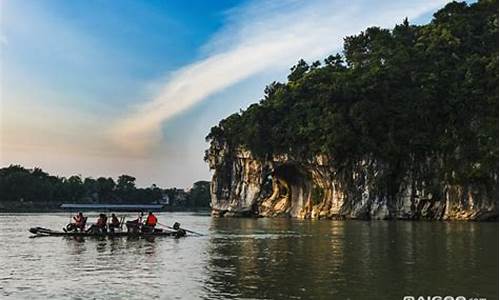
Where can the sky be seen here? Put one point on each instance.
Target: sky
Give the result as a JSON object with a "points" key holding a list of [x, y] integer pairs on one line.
{"points": [[104, 88]]}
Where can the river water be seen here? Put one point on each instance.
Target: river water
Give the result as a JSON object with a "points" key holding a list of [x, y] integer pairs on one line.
{"points": [[252, 259]]}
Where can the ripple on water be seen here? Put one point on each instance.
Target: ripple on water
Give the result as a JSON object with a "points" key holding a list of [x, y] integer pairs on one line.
{"points": [[251, 258]]}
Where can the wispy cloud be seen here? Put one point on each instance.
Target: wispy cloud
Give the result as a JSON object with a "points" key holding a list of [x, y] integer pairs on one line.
{"points": [[258, 37]]}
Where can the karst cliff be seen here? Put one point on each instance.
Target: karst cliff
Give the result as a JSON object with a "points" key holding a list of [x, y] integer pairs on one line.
{"points": [[245, 186], [402, 124]]}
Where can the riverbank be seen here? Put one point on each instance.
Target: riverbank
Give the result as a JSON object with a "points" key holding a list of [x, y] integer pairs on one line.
{"points": [[56, 207]]}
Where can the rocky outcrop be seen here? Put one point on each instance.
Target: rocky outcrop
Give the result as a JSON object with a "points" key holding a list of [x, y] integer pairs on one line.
{"points": [[283, 186]]}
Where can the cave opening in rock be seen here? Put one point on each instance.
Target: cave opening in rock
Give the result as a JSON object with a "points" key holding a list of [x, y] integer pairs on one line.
{"points": [[286, 176], [267, 185], [289, 173]]}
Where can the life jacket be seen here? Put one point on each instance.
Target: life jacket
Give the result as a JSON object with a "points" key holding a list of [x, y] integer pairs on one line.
{"points": [[151, 220], [79, 219]]}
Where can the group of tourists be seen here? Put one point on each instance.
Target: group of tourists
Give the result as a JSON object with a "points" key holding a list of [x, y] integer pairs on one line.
{"points": [[102, 225], [138, 225]]}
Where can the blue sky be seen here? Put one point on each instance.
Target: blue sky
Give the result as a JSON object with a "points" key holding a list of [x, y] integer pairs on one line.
{"points": [[103, 88]]}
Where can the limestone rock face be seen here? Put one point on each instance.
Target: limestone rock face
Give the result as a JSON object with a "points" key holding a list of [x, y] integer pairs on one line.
{"points": [[281, 186]]}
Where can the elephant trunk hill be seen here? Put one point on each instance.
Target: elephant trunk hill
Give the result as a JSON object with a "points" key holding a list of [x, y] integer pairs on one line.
{"points": [[403, 124]]}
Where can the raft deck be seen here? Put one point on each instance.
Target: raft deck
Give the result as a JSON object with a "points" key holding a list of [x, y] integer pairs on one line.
{"points": [[40, 231]]}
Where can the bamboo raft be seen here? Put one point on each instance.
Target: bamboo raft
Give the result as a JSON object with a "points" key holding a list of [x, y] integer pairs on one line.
{"points": [[40, 231]]}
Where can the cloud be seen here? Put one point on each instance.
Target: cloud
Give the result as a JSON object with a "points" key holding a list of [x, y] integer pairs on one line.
{"points": [[258, 37]]}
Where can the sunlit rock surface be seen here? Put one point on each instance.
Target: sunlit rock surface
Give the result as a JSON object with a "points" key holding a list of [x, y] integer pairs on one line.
{"points": [[281, 186]]}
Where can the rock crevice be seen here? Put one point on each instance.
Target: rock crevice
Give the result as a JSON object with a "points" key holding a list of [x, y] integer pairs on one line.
{"points": [[243, 185]]}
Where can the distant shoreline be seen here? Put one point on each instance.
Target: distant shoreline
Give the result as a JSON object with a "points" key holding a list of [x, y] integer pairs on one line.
{"points": [[55, 208]]}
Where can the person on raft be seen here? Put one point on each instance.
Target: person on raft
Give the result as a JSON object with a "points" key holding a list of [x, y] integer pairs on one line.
{"points": [[150, 223], [135, 225], [180, 232], [79, 223], [115, 223], [100, 225]]}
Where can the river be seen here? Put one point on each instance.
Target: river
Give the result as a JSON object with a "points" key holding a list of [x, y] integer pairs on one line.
{"points": [[252, 259]]}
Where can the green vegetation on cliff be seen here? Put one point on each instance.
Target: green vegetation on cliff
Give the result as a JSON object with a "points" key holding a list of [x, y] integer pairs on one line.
{"points": [[411, 96]]}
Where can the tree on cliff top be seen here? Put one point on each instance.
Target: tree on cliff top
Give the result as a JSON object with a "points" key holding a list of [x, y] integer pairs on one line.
{"points": [[400, 96]]}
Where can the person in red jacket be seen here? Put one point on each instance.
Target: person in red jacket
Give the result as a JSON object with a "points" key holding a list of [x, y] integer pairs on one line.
{"points": [[150, 224]]}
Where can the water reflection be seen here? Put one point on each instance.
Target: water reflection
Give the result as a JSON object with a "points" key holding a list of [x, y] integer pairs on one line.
{"points": [[275, 258], [256, 262], [111, 245], [115, 244], [254, 258]]}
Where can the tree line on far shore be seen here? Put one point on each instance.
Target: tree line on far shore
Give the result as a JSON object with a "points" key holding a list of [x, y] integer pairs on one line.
{"points": [[20, 186]]}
